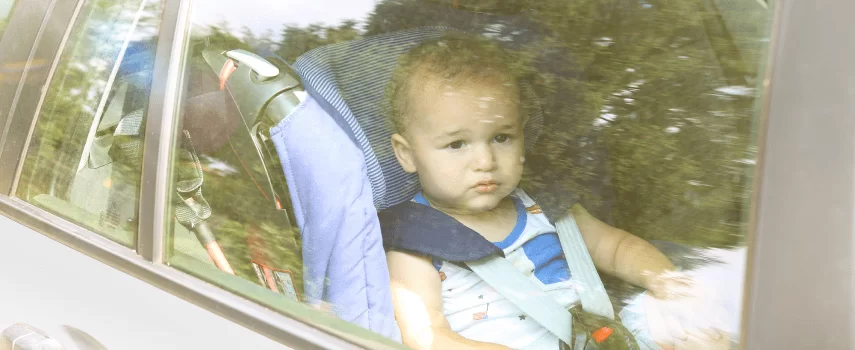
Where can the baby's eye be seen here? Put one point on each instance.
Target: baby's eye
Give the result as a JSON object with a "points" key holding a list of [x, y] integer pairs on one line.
{"points": [[502, 138], [455, 145]]}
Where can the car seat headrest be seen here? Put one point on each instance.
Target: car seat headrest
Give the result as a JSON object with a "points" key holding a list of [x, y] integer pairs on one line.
{"points": [[349, 81]]}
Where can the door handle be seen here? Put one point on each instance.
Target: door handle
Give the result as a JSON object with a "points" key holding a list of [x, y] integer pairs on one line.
{"points": [[21, 336], [255, 62]]}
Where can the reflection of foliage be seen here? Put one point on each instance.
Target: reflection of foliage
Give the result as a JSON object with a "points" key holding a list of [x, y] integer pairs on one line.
{"points": [[218, 36], [644, 81], [656, 94], [648, 104], [3, 23], [106, 193], [243, 218], [296, 41]]}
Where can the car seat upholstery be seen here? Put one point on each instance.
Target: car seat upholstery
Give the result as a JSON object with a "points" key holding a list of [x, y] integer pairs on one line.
{"points": [[337, 178]]}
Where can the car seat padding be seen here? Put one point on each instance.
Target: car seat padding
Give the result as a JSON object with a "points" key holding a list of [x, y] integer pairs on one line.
{"points": [[421, 229]]}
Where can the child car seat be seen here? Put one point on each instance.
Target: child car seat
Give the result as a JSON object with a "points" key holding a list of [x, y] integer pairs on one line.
{"points": [[340, 168]]}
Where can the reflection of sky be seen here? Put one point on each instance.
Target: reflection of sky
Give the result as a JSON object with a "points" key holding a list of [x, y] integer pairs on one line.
{"points": [[261, 16], [5, 8]]}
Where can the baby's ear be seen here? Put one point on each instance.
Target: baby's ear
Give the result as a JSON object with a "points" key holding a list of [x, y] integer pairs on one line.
{"points": [[403, 153]]}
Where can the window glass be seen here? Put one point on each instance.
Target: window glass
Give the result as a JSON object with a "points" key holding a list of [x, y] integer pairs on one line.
{"points": [[647, 115], [228, 183], [5, 10], [83, 159]]}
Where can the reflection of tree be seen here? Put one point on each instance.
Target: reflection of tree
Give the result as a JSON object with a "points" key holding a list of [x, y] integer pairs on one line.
{"points": [[647, 79], [3, 23], [296, 41], [665, 87], [69, 111], [243, 216]]}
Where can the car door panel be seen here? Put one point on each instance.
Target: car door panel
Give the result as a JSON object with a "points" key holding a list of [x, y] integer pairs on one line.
{"points": [[55, 286]]}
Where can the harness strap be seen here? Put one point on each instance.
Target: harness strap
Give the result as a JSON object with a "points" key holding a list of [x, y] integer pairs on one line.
{"points": [[489, 263], [592, 292], [500, 274]]}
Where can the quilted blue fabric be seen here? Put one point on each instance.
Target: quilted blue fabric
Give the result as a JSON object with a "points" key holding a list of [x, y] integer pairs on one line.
{"points": [[340, 168], [343, 259]]}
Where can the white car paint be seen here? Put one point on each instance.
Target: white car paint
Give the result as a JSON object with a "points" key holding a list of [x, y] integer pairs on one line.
{"points": [[47, 285]]}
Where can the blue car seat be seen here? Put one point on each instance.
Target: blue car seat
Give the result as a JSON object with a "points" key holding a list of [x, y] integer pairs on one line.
{"points": [[336, 154], [337, 158]]}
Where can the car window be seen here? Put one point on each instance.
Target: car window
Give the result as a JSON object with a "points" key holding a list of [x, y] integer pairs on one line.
{"points": [[646, 113], [83, 158], [232, 218], [5, 10]]}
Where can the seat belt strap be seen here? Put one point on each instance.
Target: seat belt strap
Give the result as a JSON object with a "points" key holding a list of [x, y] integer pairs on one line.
{"points": [[501, 274], [591, 291]]}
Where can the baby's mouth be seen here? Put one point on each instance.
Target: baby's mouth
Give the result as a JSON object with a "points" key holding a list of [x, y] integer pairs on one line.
{"points": [[486, 186]]}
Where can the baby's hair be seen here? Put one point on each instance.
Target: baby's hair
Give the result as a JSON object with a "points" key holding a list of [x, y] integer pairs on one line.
{"points": [[454, 59]]}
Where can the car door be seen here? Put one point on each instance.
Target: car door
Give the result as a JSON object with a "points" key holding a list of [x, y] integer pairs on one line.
{"points": [[728, 125]]}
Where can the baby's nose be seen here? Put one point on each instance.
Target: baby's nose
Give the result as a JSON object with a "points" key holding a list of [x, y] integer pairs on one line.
{"points": [[485, 159]]}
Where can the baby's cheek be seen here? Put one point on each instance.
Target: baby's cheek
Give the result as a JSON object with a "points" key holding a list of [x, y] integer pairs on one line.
{"points": [[514, 161], [450, 171], [446, 181]]}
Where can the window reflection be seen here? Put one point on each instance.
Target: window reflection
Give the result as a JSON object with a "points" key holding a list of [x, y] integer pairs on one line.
{"points": [[83, 161], [247, 207], [649, 119], [5, 9]]}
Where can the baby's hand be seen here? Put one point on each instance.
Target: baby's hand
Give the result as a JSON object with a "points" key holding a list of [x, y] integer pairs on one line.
{"points": [[683, 314], [669, 285]]}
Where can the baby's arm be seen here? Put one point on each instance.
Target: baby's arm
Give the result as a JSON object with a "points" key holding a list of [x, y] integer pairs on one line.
{"points": [[621, 254], [417, 296]]}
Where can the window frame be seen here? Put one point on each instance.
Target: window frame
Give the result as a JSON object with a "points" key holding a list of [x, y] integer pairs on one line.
{"points": [[801, 243], [164, 100]]}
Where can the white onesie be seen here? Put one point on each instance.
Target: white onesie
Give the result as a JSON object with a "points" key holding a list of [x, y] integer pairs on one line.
{"points": [[476, 311]]}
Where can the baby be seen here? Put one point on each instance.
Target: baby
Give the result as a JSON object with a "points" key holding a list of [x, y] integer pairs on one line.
{"points": [[457, 111]]}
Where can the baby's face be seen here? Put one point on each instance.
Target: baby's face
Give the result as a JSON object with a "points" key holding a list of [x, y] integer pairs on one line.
{"points": [[467, 145]]}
